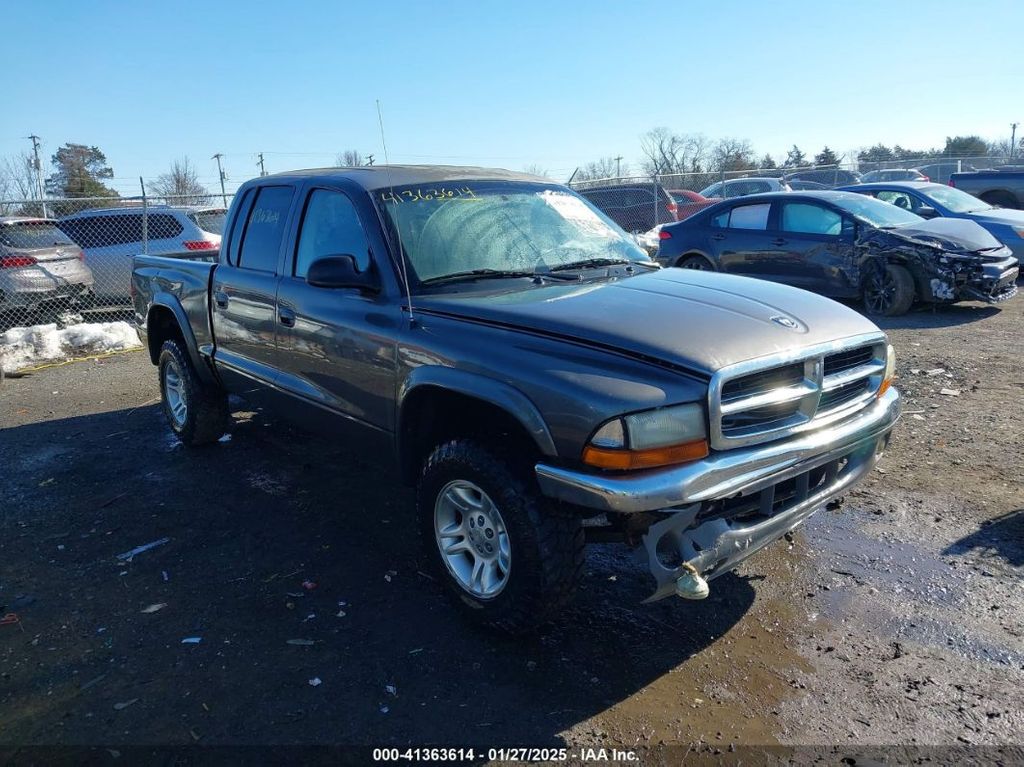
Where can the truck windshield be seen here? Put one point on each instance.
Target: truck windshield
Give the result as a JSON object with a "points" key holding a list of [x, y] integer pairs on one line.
{"points": [[476, 227]]}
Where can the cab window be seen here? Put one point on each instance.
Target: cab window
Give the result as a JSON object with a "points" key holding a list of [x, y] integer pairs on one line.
{"points": [[330, 227]]}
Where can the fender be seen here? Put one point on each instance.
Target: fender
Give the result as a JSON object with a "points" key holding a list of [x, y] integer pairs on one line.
{"points": [[480, 387], [170, 301]]}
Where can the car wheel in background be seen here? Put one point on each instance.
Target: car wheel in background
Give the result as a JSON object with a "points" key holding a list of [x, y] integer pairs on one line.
{"points": [[196, 411], [509, 561], [699, 263], [889, 292]]}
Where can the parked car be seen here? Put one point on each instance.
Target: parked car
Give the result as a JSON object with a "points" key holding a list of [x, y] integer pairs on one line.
{"points": [[740, 187], [938, 200], [111, 236], [845, 245], [689, 202], [796, 185], [634, 207], [527, 368], [829, 177], [1004, 188], [40, 266], [893, 174]]}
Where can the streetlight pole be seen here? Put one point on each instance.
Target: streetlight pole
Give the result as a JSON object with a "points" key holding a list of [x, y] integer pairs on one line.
{"points": [[263, 170], [1013, 138], [220, 172]]}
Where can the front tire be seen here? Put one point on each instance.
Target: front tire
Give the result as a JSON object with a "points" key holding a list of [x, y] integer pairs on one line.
{"points": [[890, 292], [197, 412], [508, 560]]}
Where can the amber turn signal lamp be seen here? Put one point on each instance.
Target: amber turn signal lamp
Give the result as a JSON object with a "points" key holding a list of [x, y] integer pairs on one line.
{"points": [[623, 460]]}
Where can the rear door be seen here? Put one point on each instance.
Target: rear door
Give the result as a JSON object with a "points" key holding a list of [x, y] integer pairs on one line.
{"points": [[742, 239], [243, 299], [336, 344]]}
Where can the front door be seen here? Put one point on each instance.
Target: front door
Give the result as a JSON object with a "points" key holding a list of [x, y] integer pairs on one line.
{"points": [[337, 344]]}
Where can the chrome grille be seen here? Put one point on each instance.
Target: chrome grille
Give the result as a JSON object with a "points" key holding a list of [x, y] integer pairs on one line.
{"points": [[769, 398]]}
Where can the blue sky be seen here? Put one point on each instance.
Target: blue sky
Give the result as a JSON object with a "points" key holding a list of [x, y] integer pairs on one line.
{"points": [[555, 83]]}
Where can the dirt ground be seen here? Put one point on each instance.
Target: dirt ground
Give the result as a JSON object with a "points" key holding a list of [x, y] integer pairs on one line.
{"points": [[896, 619]]}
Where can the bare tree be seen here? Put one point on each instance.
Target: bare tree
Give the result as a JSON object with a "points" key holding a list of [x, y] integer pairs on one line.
{"points": [[18, 182], [733, 154], [536, 170], [667, 153], [180, 185], [606, 167], [350, 158]]}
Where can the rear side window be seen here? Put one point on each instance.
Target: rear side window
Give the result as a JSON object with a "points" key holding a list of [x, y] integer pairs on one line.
{"points": [[749, 216], [264, 229], [330, 228], [803, 218], [104, 231], [28, 235], [235, 241], [161, 226]]}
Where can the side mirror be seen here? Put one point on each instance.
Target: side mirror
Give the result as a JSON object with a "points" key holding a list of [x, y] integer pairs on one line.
{"points": [[340, 272], [927, 212]]}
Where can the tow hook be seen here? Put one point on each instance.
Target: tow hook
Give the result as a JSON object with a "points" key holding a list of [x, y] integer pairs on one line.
{"points": [[690, 585]]}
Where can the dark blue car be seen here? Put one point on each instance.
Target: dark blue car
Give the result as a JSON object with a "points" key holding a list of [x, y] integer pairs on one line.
{"points": [[844, 245], [934, 200]]}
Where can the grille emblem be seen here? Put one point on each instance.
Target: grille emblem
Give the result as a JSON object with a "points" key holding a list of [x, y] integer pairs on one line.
{"points": [[786, 322]]}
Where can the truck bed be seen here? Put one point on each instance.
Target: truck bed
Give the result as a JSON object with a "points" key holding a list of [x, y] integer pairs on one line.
{"points": [[169, 280]]}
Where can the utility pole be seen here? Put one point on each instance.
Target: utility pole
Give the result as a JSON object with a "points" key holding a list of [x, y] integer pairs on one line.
{"points": [[1013, 138], [369, 159], [263, 170], [38, 167], [220, 172], [618, 166]]}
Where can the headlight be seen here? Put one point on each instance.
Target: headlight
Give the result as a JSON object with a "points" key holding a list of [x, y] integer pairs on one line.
{"points": [[890, 370], [659, 437]]}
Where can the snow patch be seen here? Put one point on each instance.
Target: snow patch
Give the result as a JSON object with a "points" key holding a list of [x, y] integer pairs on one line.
{"points": [[38, 344]]}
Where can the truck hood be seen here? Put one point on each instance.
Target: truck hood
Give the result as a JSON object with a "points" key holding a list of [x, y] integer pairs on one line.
{"points": [[957, 235], [689, 319]]}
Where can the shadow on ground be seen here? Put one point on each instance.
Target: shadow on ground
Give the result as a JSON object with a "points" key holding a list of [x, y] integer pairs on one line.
{"points": [[249, 520], [1002, 537]]}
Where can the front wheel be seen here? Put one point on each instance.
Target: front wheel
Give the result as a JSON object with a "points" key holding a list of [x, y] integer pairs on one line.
{"points": [[197, 412], [889, 292], [508, 560]]}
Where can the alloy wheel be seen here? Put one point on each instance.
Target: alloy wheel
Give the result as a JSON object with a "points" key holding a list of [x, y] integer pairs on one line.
{"points": [[472, 539]]}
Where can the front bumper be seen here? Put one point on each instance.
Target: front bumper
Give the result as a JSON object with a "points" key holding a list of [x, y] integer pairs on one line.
{"points": [[723, 474]]}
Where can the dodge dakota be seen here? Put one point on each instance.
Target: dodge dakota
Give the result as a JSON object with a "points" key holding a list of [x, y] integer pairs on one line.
{"points": [[528, 369]]}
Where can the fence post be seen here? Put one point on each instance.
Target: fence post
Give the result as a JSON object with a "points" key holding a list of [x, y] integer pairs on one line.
{"points": [[145, 219]]}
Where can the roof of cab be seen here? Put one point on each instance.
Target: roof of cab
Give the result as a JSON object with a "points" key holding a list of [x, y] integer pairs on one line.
{"points": [[383, 176]]}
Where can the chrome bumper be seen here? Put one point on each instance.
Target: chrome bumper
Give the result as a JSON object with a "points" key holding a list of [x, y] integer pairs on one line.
{"points": [[722, 474]]}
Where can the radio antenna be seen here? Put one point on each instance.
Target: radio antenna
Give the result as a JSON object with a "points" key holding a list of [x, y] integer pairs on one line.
{"points": [[398, 226]]}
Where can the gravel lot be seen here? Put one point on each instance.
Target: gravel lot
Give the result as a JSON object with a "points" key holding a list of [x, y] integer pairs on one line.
{"points": [[897, 619]]}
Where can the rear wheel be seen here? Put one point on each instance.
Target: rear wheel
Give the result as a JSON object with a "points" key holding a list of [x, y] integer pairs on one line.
{"points": [[197, 412], [889, 292], [507, 559], [699, 263]]}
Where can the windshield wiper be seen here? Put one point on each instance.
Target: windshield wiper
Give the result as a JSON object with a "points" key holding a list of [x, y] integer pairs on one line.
{"points": [[476, 274], [590, 263]]}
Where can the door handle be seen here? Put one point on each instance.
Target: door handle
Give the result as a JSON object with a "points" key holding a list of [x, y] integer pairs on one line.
{"points": [[221, 299], [778, 241], [718, 237], [286, 317]]}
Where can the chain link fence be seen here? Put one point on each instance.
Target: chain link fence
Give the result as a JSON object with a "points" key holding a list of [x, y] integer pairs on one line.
{"points": [[640, 203], [65, 258]]}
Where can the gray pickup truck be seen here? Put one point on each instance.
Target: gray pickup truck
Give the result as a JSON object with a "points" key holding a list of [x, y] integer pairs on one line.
{"points": [[1003, 188], [538, 379]]}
